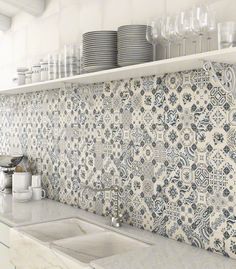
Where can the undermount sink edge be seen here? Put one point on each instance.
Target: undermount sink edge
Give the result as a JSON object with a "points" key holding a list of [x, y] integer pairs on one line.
{"points": [[74, 251], [48, 232]]}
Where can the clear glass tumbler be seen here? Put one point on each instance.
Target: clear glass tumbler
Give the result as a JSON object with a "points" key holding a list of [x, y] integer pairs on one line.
{"points": [[226, 35], [70, 60]]}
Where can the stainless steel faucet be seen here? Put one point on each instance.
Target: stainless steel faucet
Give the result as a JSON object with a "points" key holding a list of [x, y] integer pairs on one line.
{"points": [[117, 217]]}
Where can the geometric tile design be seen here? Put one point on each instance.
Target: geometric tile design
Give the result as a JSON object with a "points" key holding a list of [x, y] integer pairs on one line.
{"points": [[169, 142]]}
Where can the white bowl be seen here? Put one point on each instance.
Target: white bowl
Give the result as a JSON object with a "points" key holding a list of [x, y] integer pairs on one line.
{"points": [[22, 195]]}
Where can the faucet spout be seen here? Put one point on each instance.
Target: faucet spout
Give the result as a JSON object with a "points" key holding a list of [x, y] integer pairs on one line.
{"points": [[117, 217]]}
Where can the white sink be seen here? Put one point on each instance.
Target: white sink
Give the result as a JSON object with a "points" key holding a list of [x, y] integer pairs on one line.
{"points": [[61, 229], [92, 247], [70, 243]]}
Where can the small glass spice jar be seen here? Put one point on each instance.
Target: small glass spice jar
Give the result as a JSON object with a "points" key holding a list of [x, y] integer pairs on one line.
{"points": [[36, 73], [44, 70]]}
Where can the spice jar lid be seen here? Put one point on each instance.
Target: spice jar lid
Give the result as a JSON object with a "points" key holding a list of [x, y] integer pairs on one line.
{"points": [[36, 65]]}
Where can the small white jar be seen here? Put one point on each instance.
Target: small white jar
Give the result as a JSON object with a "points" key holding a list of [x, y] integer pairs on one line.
{"points": [[28, 77], [36, 73], [44, 71], [21, 75]]}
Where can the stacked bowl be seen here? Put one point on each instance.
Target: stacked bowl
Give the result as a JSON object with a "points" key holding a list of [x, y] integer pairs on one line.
{"points": [[99, 50], [133, 47]]}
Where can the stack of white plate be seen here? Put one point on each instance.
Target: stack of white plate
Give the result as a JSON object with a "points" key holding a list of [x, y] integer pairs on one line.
{"points": [[99, 50], [133, 47]]}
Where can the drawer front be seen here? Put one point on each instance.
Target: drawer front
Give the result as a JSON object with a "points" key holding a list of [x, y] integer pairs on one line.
{"points": [[5, 258], [4, 234]]}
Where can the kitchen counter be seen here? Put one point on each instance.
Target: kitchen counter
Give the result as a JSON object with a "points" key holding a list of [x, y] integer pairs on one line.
{"points": [[164, 254]]}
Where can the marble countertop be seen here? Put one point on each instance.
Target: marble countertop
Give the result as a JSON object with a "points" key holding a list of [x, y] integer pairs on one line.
{"points": [[164, 254]]}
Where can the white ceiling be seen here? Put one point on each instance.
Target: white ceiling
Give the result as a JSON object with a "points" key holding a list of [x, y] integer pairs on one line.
{"points": [[8, 9]]}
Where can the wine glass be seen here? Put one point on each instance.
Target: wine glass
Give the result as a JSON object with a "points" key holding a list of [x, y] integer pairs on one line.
{"points": [[170, 31], [211, 27], [183, 27], [200, 22], [153, 34]]}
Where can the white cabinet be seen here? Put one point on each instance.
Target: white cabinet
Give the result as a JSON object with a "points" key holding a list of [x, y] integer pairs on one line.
{"points": [[5, 258], [4, 247]]}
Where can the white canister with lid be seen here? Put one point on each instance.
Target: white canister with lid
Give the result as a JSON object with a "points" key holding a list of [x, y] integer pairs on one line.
{"points": [[21, 181], [44, 70], [36, 73]]}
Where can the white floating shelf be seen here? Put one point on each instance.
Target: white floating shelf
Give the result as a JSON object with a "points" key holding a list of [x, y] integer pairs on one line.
{"points": [[153, 68]]}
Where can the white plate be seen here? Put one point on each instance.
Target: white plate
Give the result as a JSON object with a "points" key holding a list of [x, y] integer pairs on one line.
{"points": [[100, 38], [137, 56], [88, 70], [132, 26], [102, 32], [134, 47], [88, 63]]}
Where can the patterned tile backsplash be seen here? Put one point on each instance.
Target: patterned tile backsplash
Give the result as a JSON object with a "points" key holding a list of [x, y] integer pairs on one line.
{"points": [[169, 142]]}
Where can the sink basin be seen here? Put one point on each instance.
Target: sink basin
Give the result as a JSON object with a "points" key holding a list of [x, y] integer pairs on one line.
{"points": [[61, 229], [92, 247]]}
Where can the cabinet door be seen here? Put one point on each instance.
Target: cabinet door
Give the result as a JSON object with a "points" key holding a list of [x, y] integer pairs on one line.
{"points": [[4, 234], [5, 258]]}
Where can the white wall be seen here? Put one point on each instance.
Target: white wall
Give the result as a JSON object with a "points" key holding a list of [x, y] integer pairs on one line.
{"points": [[31, 38]]}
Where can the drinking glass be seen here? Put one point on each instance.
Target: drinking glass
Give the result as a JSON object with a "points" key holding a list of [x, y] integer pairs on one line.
{"points": [[183, 27], [55, 66], [200, 22], [70, 60], [50, 67], [153, 34], [226, 35], [164, 36], [170, 31], [61, 65]]}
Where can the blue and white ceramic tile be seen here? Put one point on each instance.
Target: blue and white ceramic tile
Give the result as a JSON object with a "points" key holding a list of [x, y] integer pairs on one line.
{"points": [[169, 142]]}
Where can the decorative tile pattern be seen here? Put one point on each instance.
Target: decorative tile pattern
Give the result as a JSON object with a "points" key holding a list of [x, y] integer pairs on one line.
{"points": [[169, 142]]}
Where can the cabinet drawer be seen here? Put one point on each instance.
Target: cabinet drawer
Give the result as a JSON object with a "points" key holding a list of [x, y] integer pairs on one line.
{"points": [[4, 234], [5, 258]]}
